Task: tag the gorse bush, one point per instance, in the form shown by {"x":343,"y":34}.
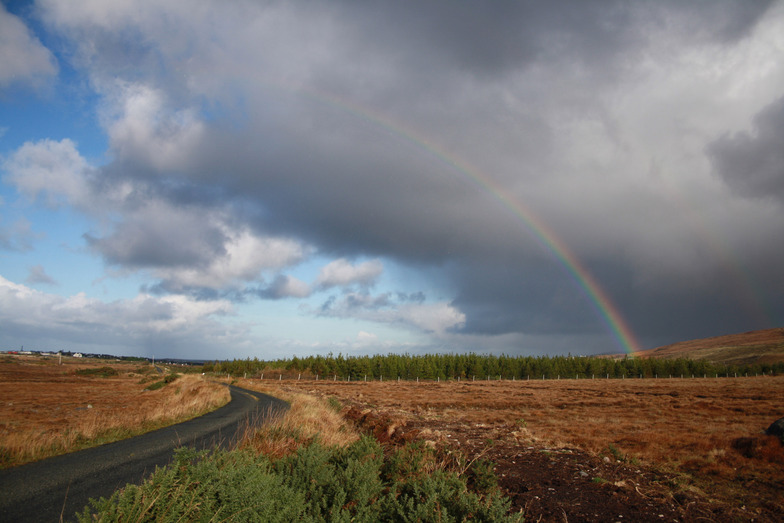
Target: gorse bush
{"x":316,"y":483}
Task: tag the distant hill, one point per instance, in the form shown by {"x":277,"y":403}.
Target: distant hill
{"x":763,"y":346}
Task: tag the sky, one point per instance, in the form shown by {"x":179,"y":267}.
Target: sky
{"x":239,"y":178}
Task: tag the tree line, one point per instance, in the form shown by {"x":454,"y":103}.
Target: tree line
{"x":474,"y":366}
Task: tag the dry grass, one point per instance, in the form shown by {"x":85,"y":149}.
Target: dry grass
{"x":49,"y":409}
{"x":708,"y":429}
{"x":309,"y":418}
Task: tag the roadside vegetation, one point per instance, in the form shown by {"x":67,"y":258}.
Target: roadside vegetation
{"x":49,"y":409}
{"x":311,"y":465}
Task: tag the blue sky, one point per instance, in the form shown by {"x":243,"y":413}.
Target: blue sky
{"x":267,"y":179}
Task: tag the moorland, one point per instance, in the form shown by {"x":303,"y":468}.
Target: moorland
{"x":53,"y":405}
{"x":634,"y":442}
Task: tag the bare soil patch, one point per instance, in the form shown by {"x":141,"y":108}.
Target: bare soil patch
{"x":48,"y":409}
{"x":597,"y":450}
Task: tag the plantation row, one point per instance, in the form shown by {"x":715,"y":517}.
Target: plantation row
{"x":481,"y":367}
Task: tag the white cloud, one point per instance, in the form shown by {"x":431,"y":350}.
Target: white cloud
{"x":50,"y":167}
{"x":432,"y":318}
{"x":28,"y":313}
{"x":242,"y":258}
{"x":143,"y":126}
{"x":342,"y":273}
{"x":24,"y":59}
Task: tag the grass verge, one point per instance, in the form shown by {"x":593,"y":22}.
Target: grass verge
{"x":176,"y":401}
{"x":311,"y":464}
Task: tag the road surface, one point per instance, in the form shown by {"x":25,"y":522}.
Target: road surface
{"x":62,"y":485}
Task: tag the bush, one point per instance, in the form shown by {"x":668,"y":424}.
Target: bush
{"x":316,"y":483}
{"x":102,"y":372}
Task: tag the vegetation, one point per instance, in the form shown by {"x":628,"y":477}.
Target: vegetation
{"x":482,"y":367}
{"x":311,"y":465}
{"x":169,"y":378}
{"x":100,"y":372}
{"x":315,"y":483}
{"x":64,"y":415}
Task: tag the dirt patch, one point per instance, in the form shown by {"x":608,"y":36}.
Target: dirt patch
{"x":639,"y":450}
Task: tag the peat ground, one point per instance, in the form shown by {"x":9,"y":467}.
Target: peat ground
{"x":596,"y":450}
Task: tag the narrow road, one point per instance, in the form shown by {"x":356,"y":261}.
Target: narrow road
{"x":62,"y":485}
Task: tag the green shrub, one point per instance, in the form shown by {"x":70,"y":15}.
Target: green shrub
{"x":102,"y":372}
{"x":316,"y":484}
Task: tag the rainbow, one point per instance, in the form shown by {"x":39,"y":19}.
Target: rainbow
{"x":545,"y":236}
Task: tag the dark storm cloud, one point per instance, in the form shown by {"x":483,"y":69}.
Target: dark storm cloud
{"x":418,"y":132}
{"x":753,"y":163}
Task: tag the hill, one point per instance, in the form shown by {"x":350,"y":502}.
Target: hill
{"x":762,"y":346}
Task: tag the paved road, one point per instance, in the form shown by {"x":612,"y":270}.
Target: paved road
{"x":44,"y":490}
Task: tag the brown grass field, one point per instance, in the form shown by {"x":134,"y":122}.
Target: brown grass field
{"x":701,"y":438}
{"x":48,"y":409}
{"x":564,"y":450}
{"x":762,"y":346}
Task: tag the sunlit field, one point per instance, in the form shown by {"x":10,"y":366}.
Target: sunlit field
{"x":708,"y":431}
{"x":49,"y":409}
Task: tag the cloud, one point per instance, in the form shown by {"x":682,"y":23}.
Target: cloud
{"x":284,"y":286}
{"x":145,"y":129}
{"x":505,"y":154}
{"x":753,"y":163}
{"x":139,"y":325}
{"x":431,"y":318}
{"x":51,"y":168}
{"x":187,"y":247}
{"x":19,"y":236}
{"x":25,"y":60}
{"x":37,"y":274}
{"x":342,"y":273}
